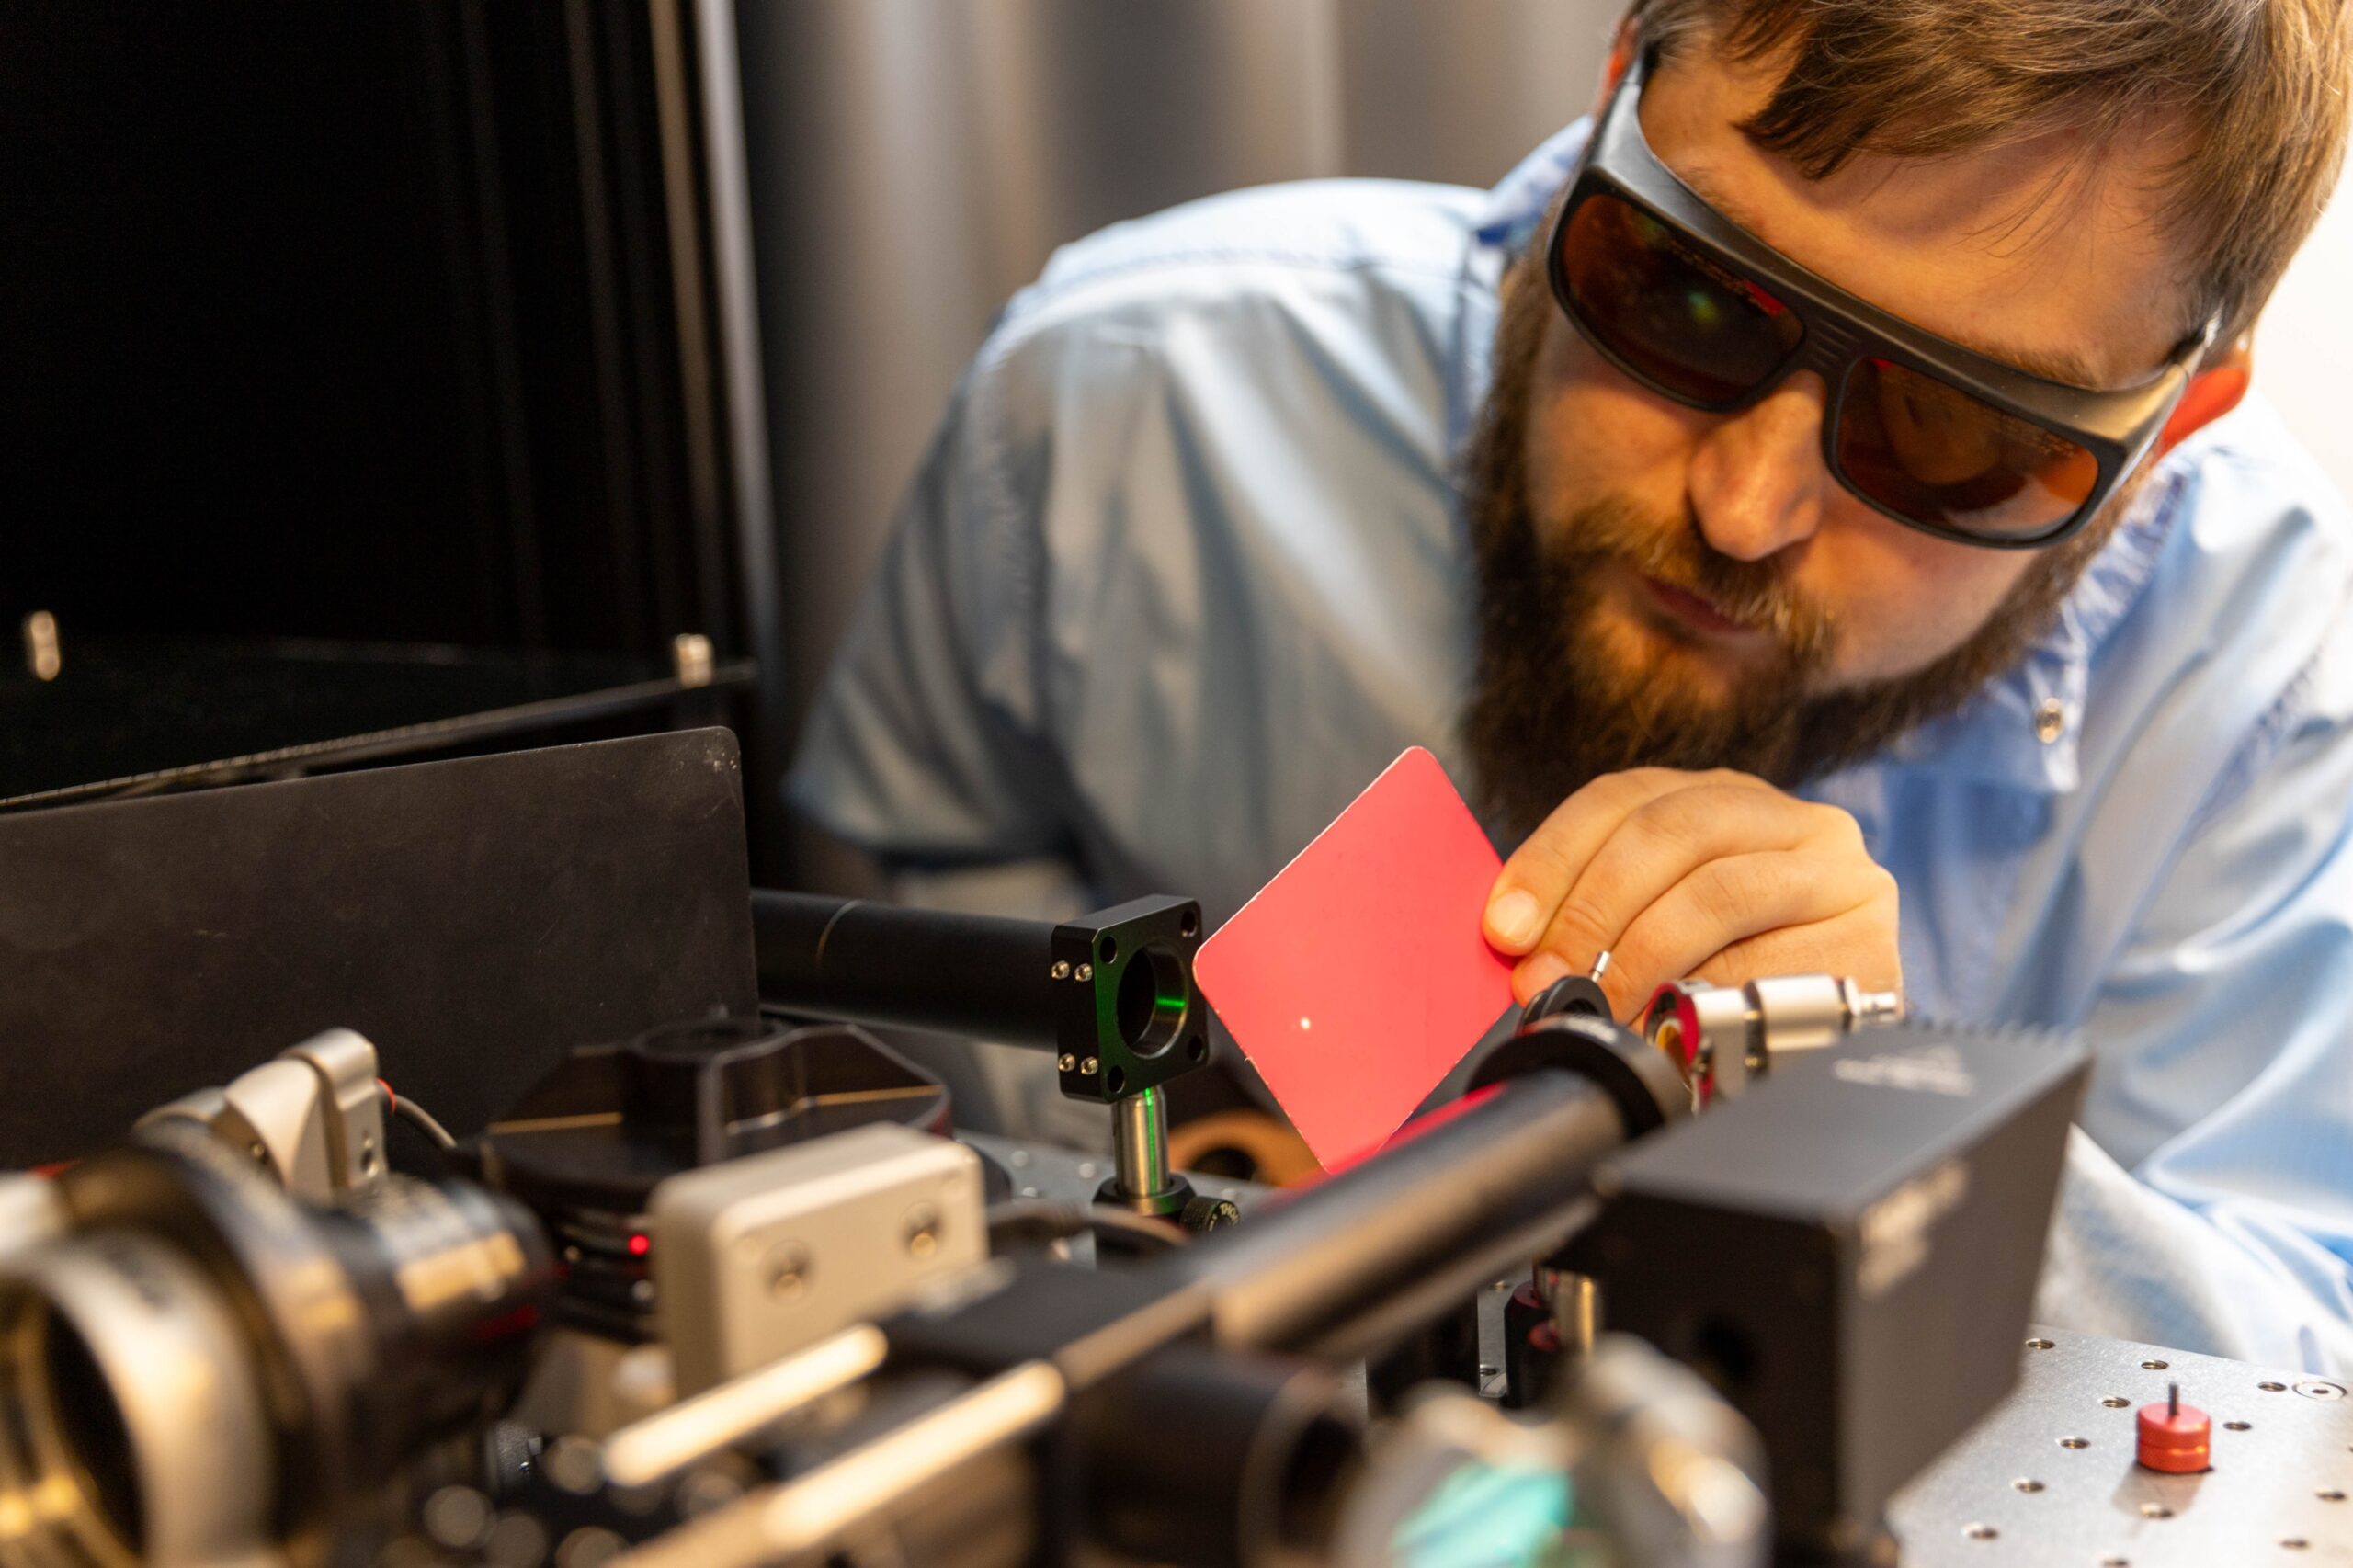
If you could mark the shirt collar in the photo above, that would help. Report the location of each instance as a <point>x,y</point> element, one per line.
<point>1508,219</point>
<point>1505,224</point>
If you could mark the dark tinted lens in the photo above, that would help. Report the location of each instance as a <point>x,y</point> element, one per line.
<point>1670,311</point>
<point>1928,450</point>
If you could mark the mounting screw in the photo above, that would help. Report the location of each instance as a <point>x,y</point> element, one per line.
<point>1206,1213</point>
<point>40,646</point>
<point>1090,1066</point>
<point>1061,970</point>
<point>1066,1061</point>
<point>921,1236</point>
<point>788,1269</point>
<point>1085,972</point>
<point>690,659</point>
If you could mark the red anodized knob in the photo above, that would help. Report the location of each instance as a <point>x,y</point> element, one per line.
<point>2176,1438</point>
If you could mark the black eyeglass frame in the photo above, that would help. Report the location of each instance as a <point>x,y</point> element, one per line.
<point>1840,330</point>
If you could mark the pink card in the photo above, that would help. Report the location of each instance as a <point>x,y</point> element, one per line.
<point>1357,978</point>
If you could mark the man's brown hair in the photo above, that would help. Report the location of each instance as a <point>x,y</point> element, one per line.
<point>2251,93</point>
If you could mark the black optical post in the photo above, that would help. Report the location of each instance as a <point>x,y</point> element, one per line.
<point>1111,996</point>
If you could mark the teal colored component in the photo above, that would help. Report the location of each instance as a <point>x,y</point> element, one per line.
<point>1488,1517</point>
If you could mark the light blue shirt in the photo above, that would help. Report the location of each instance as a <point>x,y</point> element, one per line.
<point>1184,571</point>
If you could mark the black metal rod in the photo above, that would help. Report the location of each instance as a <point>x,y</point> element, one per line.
<point>979,975</point>
<point>1517,1163</point>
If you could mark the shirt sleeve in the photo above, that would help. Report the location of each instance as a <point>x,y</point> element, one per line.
<point>923,746</point>
<point>2226,1027</point>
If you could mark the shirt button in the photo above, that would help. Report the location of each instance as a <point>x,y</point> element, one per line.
<point>2049,719</point>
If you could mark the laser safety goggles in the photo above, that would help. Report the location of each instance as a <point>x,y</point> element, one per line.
<point>1948,440</point>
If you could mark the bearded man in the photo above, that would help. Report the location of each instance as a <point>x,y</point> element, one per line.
<point>1797,499</point>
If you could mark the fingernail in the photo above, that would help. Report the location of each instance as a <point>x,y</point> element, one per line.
<point>1512,919</point>
<point>1536,974</point>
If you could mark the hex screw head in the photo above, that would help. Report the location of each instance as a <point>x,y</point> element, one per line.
<point>1085,972</point>
<point>1090,1066</point>
<point>1061,970</point>
<point>1066,1061</point>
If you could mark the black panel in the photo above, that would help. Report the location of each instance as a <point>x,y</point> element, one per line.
<point>474,918</point>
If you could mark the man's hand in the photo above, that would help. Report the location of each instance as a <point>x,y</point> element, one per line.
<point>1717,875</point>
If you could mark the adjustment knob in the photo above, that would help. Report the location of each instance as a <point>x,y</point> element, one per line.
<point>2176,1438</point>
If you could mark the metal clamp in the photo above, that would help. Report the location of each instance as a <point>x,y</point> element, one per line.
<point>1722,1036</point>
<point>314,1117</point>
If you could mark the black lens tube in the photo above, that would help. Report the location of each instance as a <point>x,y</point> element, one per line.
<point>980,975</point>
<point>1428,1220</point>
<point>1265,1439</point>
<point>1110,994</point>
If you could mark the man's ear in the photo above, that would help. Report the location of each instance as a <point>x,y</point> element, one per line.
<point>2214,390</point>
<point>1621,57</point>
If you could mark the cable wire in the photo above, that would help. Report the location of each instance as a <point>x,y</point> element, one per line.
<point>422,1119</point>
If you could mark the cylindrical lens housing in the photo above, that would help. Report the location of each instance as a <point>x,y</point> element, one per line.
<point>136,1428</point>
<point>1207,1460</point>
<point>204,1369</point>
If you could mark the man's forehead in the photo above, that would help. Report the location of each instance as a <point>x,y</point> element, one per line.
<point>2028,253</point>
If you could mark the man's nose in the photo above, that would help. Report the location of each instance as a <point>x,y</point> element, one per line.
<point>1758,481</point>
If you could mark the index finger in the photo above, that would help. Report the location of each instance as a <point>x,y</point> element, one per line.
<point>1540,872</point>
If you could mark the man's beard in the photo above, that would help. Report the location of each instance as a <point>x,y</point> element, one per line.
<point>1557,704</point>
